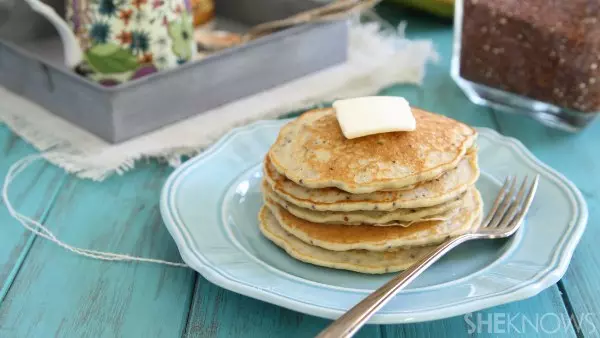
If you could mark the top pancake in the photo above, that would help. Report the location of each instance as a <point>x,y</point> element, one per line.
<point>440,190</point>
<point>313,152</point>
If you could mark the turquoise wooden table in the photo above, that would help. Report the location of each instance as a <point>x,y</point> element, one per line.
<point>46,291</point>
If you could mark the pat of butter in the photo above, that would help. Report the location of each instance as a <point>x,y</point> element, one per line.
<point>370,115</point>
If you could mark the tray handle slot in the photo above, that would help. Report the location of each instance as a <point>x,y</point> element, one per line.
<point>48,76</point>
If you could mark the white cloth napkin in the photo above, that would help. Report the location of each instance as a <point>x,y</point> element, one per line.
<point>376,60</point>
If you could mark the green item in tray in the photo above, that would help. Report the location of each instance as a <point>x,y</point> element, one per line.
<point>443,8</point>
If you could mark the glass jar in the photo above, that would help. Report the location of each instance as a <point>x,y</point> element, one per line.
<point>537,57</point>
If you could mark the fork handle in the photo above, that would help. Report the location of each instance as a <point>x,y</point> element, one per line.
<point>355,318</point>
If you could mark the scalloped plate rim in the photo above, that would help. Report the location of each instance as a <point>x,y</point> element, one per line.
<point>546,278</point>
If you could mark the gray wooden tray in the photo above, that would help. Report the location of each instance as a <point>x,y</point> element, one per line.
<point>31,65</point>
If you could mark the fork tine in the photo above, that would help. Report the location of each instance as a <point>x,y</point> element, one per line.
<point>497,202</point>
<point>499,214</point>
<point>515,206</point>
<point>528,200</point>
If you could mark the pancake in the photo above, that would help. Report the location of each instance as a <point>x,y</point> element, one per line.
<point>401,217</point>
<point>312,152</point>
<point>445,188</point>
<point>363,261</point>
<point>340,237</point>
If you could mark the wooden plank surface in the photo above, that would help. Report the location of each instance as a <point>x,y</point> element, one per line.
<point>58,293</point>
<point>32,195</point>
<point>217,312</point>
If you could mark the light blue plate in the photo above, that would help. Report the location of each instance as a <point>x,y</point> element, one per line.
<point>210,206</point>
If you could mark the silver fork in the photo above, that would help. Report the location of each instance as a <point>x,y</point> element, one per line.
<point>503,220</point>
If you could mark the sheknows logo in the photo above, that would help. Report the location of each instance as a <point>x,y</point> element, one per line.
<point>519,323</point>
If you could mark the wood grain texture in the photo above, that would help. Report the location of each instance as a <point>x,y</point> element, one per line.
<point>32,194</point>
<point>58,293</point>
<point>217,312</point>
<point>578,158</point>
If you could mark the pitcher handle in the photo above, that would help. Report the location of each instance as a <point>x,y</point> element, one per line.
<point>72,50</point>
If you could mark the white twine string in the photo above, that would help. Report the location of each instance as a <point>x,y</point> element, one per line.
<point>42,231</point>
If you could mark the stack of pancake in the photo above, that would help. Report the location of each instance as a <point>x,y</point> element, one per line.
<point>373,204</point>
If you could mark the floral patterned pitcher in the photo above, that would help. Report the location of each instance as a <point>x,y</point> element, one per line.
<point>120,40</point>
